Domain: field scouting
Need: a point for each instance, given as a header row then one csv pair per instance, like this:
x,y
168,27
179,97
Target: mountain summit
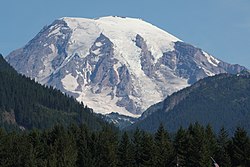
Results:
x,y
114,64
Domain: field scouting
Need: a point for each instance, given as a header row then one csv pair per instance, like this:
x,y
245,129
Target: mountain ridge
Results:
x,y
221,101
114,64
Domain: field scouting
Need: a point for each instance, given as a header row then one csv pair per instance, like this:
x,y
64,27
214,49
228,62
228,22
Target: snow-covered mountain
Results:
x,y
114,64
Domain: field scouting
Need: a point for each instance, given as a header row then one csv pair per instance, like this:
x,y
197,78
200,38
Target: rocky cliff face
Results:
x,y
114,64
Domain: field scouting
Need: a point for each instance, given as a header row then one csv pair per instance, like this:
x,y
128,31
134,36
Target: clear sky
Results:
x,y
220,27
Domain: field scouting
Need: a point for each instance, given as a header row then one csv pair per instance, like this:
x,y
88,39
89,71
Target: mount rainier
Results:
x,y
114,64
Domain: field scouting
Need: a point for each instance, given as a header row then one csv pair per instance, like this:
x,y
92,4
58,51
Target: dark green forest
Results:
x,y
78,146
25,104
221,101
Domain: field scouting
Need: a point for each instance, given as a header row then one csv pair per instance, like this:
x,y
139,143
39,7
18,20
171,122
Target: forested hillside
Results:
x,y
25,104
221,101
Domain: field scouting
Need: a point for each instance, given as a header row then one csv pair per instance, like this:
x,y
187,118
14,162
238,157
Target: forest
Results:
x,y
78,146
26,104
222,100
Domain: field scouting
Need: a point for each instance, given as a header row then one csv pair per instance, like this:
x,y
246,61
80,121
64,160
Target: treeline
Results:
x,y
26,104
77,146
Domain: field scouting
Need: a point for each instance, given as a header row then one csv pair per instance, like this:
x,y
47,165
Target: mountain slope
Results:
x,y
25,104
222,100
114,64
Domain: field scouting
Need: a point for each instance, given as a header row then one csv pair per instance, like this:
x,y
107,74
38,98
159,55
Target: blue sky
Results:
x,y
220,27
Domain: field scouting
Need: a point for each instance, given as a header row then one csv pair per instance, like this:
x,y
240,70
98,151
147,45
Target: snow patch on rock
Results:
x,y
70,82
211,59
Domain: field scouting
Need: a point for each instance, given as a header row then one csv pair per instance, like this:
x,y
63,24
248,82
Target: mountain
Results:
x,y
25,104
114,64
120,121
221,101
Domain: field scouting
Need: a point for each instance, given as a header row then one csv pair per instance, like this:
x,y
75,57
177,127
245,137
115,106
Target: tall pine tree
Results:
x,y
163,148
125,152
240,148
180,146
138,148
197,153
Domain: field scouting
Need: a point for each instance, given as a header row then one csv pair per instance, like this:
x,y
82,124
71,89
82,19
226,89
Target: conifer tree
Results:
x,y
84,157
36,149
180,145
64,147
125,152
211,141
197,153
107,147
240,148
221,154
210,144
163,148
94,148
137,145
2,147
148,150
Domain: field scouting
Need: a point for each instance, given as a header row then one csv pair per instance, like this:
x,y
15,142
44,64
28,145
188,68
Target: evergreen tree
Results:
x,y
137,145
2,147
181,146
16,151
125,152
148,150
164,150
221,154
210,140
210,144
84,157
36,149
240,148
93,145
64,147
197,153
107,148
